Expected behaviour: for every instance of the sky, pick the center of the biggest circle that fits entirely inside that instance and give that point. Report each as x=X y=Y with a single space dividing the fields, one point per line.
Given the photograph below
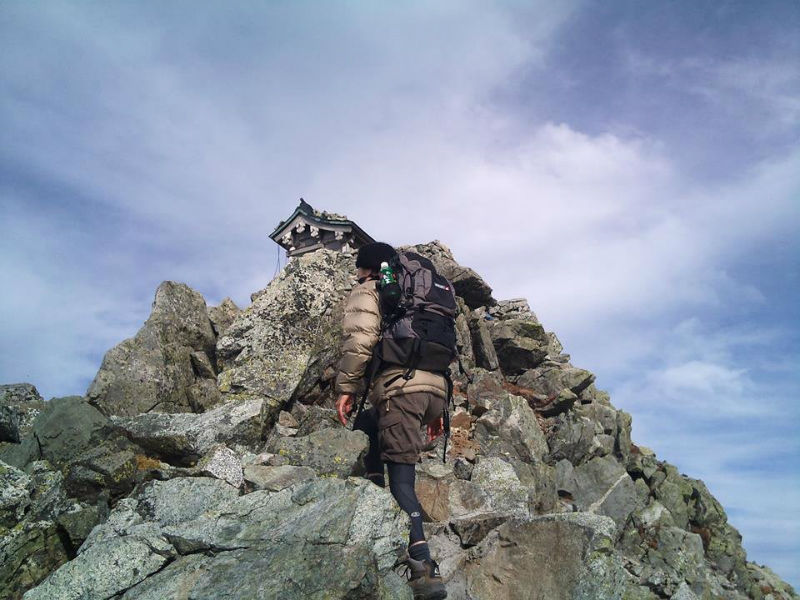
x=631 y=168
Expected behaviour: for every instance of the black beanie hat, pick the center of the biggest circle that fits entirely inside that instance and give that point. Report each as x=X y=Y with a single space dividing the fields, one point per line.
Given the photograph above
x=372 y=255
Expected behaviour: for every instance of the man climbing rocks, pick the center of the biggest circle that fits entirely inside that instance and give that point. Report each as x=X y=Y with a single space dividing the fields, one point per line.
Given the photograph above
x=399 y=409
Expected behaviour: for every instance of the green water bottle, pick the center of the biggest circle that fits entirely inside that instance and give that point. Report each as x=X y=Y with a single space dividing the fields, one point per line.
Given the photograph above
x=389 y=290
x=387 y=277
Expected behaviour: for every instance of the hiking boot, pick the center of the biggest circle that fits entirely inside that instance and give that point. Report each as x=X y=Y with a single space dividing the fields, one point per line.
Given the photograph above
x=425 y=581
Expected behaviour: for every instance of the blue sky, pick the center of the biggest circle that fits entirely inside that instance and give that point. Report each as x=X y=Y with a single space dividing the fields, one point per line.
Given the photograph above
x=632 y=169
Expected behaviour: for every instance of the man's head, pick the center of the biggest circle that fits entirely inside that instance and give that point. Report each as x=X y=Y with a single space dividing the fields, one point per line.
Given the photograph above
x=371 y=256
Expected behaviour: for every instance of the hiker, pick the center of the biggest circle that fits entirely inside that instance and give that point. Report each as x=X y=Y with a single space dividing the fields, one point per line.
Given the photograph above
x=400 y=406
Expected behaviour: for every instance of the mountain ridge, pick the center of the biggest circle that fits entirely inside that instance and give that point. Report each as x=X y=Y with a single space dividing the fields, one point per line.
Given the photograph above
x=544 y=493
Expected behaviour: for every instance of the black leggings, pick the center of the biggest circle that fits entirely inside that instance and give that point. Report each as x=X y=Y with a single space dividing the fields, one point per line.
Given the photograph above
x=401 y=484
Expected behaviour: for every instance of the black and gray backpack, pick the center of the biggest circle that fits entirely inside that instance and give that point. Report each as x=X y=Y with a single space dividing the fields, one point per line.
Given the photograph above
x=419 y=311
x=417 y=325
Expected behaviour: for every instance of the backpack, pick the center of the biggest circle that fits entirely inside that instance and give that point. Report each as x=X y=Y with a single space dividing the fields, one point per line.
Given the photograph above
x=418 y=314
x=418 y=317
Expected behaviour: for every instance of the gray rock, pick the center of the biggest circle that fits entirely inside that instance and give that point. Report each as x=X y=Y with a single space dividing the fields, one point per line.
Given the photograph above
x=472 y=529
x=183 y=499
x=504 y=493
x=223 y=316
x=604 y=487
x=20 y=403
x=467 y=283
x=14 y=499
x=275 y=479
x=482 y=345
x=571 y=437
x=521 y=344
x=62 y=430
x=106 y=467
x=183 y=438
x=221 y=462
x=510 y=428
x=270 y=345
x=551 y=380
x=152 y=371
x=106 y=568
x=484 y=390
x=563 y=556
x=31 y=545
x=515 y=308
x=337 y=452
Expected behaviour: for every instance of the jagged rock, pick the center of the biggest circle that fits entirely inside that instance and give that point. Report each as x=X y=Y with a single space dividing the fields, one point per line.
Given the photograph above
x=464 y=343
x=485 y=387
x=223 y=316
x=510 y=428
x=152 y=371
x=765 y=581
x=570 y=437
x=502 y=489
x=107 y=568
x=514 y=308
x=275 y=479
x=604 y=487
x=462 y=468
x=433 y=490
x=14 y=498
x=79 y=520
x=467 y=283
x=529 y=429
x=317 y=418
x=103 y=468
x=326 y=537
x=183 y=438
x=20 y=403
x=30 y=542
x=203 y=395
x=337 y=452
x=550 y=381
x=557 y=556
x=181 y=499
x=521 y=344
x=482 y=345
x=270 y=345
x=63 y=429
x=221 y=462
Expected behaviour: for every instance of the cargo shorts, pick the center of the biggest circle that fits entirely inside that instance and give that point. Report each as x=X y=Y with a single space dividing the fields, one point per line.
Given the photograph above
x=400 y=419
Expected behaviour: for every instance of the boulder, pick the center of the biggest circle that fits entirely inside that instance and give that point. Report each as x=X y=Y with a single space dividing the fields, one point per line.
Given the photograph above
x=20 y=404
x=183 y=438
x=482 y=345
x=510 y=428
x=62 y=430
x=221 y=462
x=467 y=283
x=338 y=452
x=521 y=344
x=275 y=479
x=551 y=380
x=562 y=556
x=31 y=542
x=152 y=371
x=323 y=538
x=223 y=316
x=603 y=486
x=285 y=332
x=515 y=308
x=570 y=437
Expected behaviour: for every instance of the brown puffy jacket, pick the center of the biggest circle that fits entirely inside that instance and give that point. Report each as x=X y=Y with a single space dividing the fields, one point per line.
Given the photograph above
x=361 y=329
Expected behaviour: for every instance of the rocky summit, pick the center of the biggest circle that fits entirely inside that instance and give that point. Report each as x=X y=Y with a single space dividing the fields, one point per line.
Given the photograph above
x=206 y=462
